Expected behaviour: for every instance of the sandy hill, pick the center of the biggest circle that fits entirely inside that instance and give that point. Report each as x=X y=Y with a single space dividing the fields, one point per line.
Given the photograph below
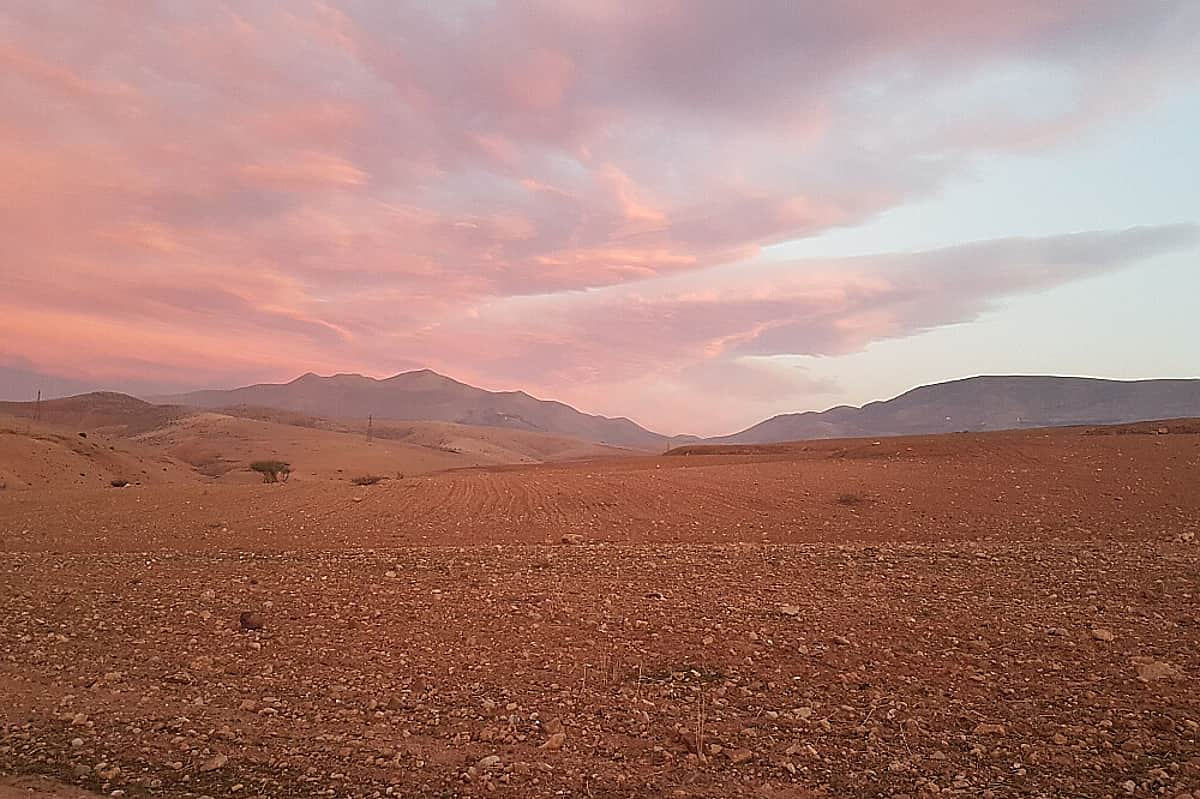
x=427 y=396
x=987 y=403
x=99 y=412
x=38 y=455
x=93 y=439
x=500 y=445
x=222 y=446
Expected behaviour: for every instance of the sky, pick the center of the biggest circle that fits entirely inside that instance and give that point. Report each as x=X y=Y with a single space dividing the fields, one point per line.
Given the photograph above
x=695 y=214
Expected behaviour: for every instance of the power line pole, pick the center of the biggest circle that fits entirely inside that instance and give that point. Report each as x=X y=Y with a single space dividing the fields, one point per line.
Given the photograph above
x=37 y=408
x=370 y=432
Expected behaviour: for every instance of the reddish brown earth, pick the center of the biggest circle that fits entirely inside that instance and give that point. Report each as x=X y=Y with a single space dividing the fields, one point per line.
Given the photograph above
x=969 y=615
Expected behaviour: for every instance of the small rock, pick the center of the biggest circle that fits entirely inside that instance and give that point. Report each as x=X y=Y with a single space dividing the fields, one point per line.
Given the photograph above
x=790 y=610
x=1149 y=669
x=571 y=538
x=249 y=620
x=739 y=756
x=841 y=640
x=215 y=762
x=691 y=741
x=1101 y=634
x=488 y=763
x=983 y=728
x=555 y=742
x=76 y=743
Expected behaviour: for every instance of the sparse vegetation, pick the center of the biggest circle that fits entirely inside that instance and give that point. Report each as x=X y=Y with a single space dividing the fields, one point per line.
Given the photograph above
x=272 y=471
x=367 y=480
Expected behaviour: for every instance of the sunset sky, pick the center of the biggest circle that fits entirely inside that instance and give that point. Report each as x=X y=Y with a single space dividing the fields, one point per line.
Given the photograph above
x=696 y=214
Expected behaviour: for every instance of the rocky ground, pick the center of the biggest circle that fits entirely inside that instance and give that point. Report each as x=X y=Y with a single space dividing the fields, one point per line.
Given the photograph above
x=1056 y=660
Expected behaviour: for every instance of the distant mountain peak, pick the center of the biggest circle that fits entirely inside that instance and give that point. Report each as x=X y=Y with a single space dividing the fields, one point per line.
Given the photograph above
x=425 y=395
x=988 y=402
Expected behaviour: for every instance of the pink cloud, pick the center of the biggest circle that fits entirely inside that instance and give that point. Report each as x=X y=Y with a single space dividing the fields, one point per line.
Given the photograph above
x=582 y=185
x=301 y=171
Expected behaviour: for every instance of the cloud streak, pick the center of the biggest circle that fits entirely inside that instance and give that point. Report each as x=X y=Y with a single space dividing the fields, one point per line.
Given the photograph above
x=263 y=189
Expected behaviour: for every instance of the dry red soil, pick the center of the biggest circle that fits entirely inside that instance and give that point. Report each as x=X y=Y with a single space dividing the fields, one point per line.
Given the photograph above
x=995 y=615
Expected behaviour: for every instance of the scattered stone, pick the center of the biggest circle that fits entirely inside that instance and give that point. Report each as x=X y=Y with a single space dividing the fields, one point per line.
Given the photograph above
x=555 y=742
x=571 y=538
x=739 y=756
x=790 y=610
x=488 y=763
x=983 y=728
x=249 y=620
x=691 y=741
x=1149 y=669
x=215 y=762
x=1101 y=634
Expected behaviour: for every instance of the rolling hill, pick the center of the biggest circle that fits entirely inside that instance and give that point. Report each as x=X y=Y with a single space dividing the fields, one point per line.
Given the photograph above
x=91 y=439
x=987 y=403
x=427 y=396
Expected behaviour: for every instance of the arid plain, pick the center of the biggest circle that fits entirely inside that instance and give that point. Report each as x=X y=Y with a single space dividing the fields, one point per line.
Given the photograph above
x=1002 y=614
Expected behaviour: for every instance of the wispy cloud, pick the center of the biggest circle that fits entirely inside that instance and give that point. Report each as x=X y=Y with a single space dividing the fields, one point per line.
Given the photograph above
x=200 y=194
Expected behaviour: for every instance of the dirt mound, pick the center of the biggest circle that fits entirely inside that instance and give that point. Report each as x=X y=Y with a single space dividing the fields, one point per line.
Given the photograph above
x=1159 y=428
x=93 y=439
x=33 y=787
x=45 y=457
x=223 y=447
x=101 y=411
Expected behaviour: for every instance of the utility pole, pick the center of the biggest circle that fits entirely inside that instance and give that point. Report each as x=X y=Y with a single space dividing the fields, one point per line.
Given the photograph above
x=37 y=408
x=370 y=432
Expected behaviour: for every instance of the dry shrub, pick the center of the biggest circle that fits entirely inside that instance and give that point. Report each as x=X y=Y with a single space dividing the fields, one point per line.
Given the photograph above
x=272 y=471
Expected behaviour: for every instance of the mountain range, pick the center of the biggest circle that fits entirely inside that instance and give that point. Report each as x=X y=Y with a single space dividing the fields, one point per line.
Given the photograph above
x=971 y=404
x=424 y=395
x=987 y=403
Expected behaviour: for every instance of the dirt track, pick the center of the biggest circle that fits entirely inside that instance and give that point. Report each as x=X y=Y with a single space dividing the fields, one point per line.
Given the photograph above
x=1009 y=615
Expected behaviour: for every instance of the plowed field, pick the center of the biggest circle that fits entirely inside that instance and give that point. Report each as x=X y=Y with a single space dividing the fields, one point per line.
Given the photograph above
x=994 y=615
